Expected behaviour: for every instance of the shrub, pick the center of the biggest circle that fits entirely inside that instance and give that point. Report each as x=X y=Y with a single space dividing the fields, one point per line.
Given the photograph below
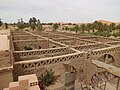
x=28 y=48
x=48 y=78
x=116 y=34
x=105 y=34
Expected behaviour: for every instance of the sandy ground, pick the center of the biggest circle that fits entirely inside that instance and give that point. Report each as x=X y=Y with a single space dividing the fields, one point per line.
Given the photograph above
x=110 y=87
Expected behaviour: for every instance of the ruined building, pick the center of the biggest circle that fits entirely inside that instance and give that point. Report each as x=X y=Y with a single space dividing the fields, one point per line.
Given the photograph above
x=80 y=62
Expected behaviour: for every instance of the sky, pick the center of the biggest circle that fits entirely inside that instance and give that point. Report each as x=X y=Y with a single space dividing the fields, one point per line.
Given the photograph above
x=60 y=10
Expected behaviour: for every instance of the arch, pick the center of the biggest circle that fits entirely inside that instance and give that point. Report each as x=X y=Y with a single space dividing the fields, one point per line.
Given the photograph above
x=69 y=74
x=70 y=68
x=107 y=58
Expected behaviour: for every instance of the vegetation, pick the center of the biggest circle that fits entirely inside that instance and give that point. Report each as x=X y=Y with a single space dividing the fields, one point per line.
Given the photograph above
x=33 y=23
x=116 y=34
x=118 y=27
x=76 y=28
x=28 y=47
x=41 y=85
x=6 y=25
x=96 y=28
x=55 y=26
x=83 y=27
x=1 y=23
x=21 y=24
x=48 y=78
x=39 y=26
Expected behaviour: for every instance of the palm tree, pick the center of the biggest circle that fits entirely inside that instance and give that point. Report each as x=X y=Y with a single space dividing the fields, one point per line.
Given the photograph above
x=89 y=27
x=48 y=78
x=106 y=31
x=20 y=24
x=93 y=27
x=95 y=24
x=83 y=27
x=105 y=27
x=99 y=26
x=118 y=27
x=112 y=26
x=32 y=22
x=39 y=26
x=76 y=28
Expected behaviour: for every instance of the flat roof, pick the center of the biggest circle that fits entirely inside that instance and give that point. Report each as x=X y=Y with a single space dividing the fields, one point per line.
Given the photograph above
x=32 y=78
x=4 y=41
x=14 y=84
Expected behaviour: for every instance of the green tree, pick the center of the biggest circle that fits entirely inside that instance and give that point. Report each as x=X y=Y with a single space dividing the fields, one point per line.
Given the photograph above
x=48 y=78
x=34 y=20
x=1 y=22
x=76 y=28
x=30 y=20
x=112 y=27
x=55 y=26
x=14 y=24
x=33 y=23
x=118 y=27
x=83 y=27
x=99 y=26
x=93 y=27
x=89 y=27
x=20 y=24
x=6 y=25
x=66 y=28
x=105 y=27
x=39 y=26
x=95 y=24
x=33 y=26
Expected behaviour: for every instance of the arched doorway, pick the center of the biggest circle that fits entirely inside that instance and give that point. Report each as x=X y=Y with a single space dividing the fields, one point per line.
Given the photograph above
x=107 y=58
x=68 y=76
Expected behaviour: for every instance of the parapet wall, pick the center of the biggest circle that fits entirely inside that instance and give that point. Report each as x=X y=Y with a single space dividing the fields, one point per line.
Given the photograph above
x=90 y=46
x=5 y=58
x=19 y=45
x=42 y=53
x=75 y=50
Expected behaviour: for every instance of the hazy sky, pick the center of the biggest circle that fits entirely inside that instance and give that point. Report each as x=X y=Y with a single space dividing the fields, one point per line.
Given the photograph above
x=60 y=10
